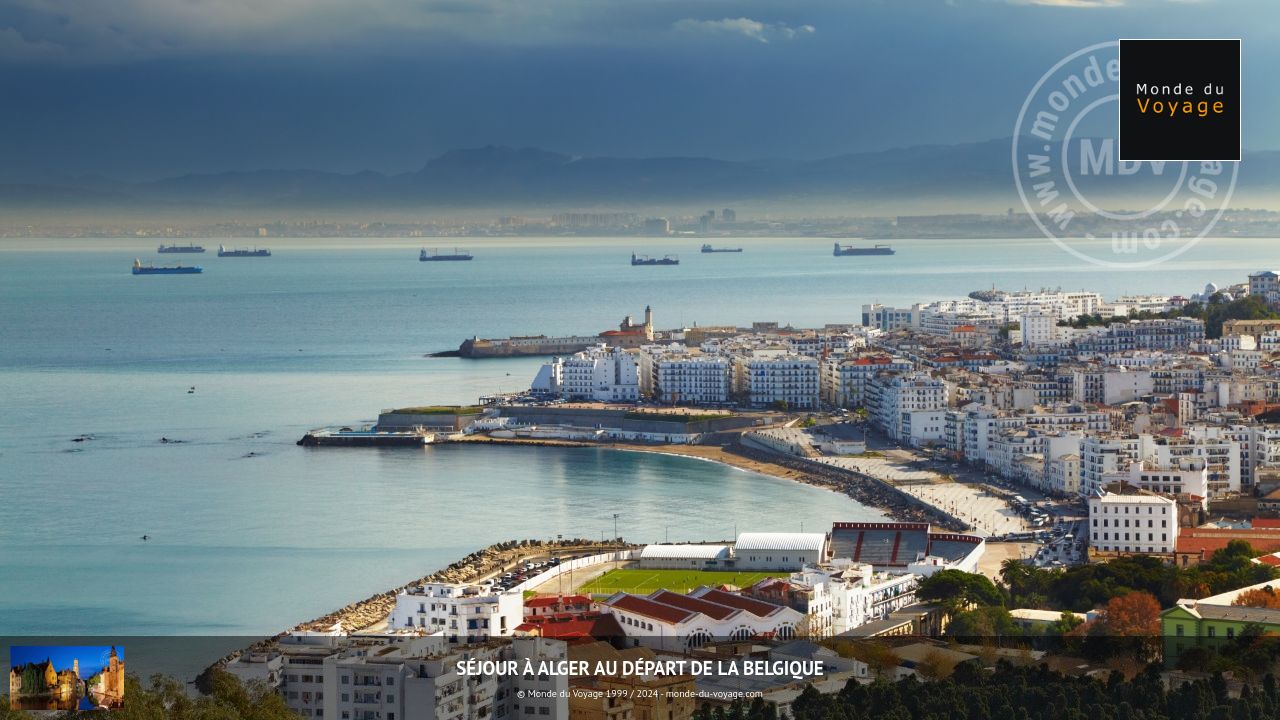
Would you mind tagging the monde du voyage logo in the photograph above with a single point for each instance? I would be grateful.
(1125, 152)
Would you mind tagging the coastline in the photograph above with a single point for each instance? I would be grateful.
(371, 612)
(866, 490)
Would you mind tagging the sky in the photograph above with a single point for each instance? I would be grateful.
(93, 658)
(143, 89)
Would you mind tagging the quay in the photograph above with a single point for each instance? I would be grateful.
(366, 438)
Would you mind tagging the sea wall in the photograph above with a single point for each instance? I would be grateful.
(407, 421)
(866, 489)
(626, 420)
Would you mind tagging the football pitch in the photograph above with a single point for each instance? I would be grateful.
(643, 582)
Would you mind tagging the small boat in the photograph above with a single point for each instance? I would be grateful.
(149, 269)
(237, 252)
(646, 260)
(437, 256)
(706, 248)
(843, 250)
(191, 248)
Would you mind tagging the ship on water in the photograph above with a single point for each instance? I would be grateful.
(842, 250)
(242, 252)
(646, 260)
(706, 248)
(180, 249)
(149, 269)
(437, 256)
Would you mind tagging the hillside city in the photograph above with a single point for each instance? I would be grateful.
(1073, 483)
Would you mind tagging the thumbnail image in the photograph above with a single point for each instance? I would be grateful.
(66, 677)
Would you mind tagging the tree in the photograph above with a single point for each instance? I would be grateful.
(935, 666)
(983, 624)
(957, 590)
(1263, 597)
(1131, 625)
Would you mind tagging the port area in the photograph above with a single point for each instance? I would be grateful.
(366, 438)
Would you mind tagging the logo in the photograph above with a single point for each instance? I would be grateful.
(1082, 196)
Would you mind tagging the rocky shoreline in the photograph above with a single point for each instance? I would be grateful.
(865, 489)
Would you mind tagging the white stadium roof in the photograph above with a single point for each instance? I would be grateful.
(683, 552)
(780, 541)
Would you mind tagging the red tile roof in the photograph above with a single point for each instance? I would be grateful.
(759, 608)
(596, 625)
(1267, 523)
(649, 608)
(1210, 540)
(712, 610)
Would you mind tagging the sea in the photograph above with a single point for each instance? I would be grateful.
(188, 392)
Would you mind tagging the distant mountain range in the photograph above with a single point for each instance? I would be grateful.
(492, 177)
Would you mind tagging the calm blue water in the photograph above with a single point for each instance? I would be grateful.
(330, 332)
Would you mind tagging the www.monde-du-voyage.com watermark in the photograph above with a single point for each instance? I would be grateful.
(1074, 187)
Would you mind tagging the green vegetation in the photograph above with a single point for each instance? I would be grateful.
(441, 410)
(673, 417)
(643, 582)
(167, 699)
(1022, 693)
(957, 590)
(1214, 312)
(1085, 587)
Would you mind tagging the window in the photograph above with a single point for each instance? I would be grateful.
(1213, 631)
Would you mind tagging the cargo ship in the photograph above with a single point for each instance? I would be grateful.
(436, 256)
(149, 269)
(646, 260)
(708, 249)
(180, 249)
(842, 250)
(224, 252)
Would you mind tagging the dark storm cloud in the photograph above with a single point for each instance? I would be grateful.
(142, 88)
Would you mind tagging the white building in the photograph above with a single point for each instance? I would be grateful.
(669, 621)
(1140, 523)
(1104, 455)
(681, 557)
(400, 678)
(1038, 329)
(1110, 385)
(598, 373)
(461, 613)
(844, 379)
(790, 380)
(1265, 284)
(892, 400)
(679, 376)
(860, 594)
(778, 551)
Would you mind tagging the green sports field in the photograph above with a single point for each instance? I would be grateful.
(643, 582)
